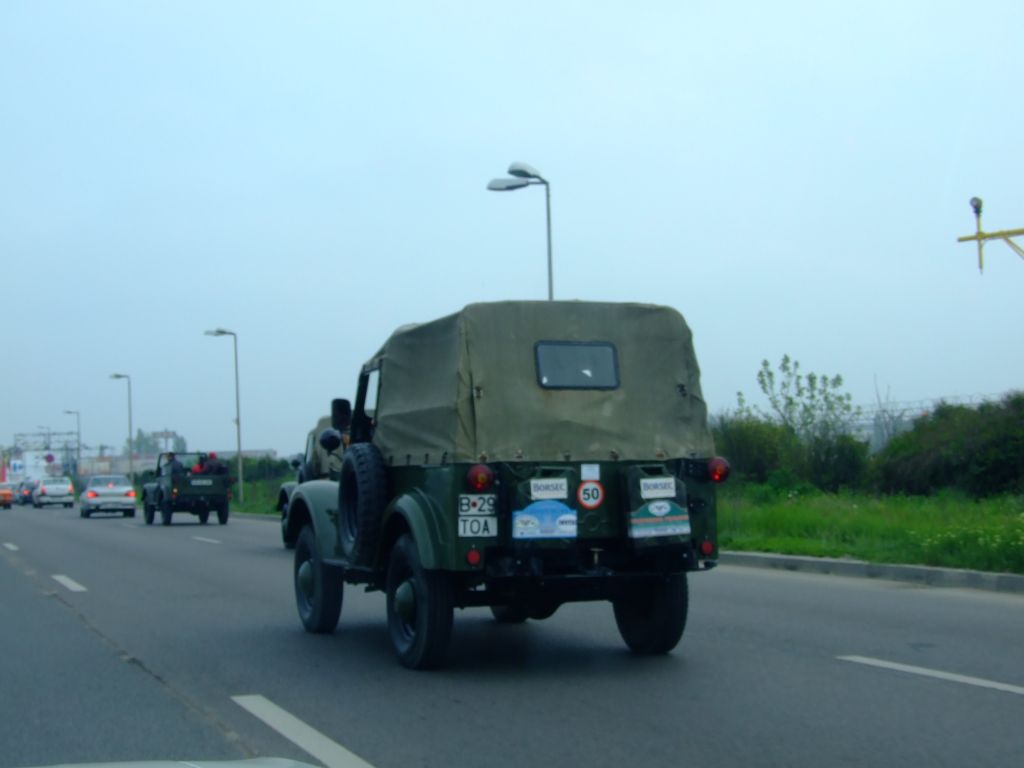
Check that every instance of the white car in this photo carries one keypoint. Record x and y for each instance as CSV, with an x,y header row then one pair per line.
x,y
107,493
53,490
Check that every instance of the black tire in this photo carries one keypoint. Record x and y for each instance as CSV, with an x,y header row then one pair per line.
x,y
68,506
419,608
362,493
289,543
222,513
319,588
129,513
651,619
148,512
204,516
82,513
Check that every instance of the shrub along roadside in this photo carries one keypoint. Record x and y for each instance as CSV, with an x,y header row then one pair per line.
x,y
948,530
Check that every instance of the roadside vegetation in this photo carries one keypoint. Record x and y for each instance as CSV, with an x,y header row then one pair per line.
x,y
263,478
948,492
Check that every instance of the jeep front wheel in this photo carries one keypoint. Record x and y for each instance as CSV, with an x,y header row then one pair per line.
x,y
318,586
651,618
419,606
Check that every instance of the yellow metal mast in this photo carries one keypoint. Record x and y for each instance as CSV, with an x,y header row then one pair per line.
x,y
981,236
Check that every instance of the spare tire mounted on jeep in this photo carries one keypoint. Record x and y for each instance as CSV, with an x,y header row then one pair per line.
x,y
361,497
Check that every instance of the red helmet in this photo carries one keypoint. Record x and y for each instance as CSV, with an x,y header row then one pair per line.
x,y
213,456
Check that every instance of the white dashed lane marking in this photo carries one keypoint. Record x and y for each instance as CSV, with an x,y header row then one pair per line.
x,y
10,546
206,540
68,583
307,738
938,674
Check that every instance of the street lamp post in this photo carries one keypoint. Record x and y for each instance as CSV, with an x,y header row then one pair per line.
x,y
238,408
526,175
78,437
131,436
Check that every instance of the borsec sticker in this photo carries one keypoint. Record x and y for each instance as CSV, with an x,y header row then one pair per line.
x,y
590,494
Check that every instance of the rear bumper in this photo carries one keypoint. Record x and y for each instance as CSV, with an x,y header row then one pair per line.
x,y
96,505
535,578
45,501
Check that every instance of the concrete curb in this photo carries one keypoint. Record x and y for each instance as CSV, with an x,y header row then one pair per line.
x,y
920,574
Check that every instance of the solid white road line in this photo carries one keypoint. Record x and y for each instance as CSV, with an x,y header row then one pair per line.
x,y
204,539
10,546
936,673
310,740
68,583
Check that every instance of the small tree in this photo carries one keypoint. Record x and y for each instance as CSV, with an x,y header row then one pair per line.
x,y
814,409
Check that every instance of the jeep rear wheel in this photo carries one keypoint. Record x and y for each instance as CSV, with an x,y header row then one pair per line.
x,y
361,497
651,618
318,586
419,606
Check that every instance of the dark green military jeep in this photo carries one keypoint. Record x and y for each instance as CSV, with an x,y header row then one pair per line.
x,y
187,482
517,455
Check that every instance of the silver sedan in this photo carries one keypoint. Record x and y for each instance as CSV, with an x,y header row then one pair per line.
x,y
107,493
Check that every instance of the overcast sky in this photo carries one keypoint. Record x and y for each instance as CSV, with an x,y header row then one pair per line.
x,y
791,176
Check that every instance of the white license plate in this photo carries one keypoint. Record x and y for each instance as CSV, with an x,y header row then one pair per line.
x,y
201,482
474,526
478,504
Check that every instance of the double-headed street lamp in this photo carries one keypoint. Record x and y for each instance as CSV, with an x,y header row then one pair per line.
x,y
525,175
238,408
78,437
131,438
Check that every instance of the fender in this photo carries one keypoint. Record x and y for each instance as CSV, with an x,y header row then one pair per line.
x,y
319,500
424,520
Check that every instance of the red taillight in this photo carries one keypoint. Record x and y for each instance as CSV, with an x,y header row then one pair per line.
x,y
130,494
473,557
480,477
718,469
42,490
91,494
71,490
706,548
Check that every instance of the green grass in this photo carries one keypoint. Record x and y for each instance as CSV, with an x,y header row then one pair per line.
x,y
946,530
260,497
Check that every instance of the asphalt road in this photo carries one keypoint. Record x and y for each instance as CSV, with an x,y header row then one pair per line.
x,y
162,643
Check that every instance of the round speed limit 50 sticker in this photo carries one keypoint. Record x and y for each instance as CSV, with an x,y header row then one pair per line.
x,y
590,494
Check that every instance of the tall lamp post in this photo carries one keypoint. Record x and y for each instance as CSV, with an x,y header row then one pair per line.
x,y
524,176
78,437
131,436
238,408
